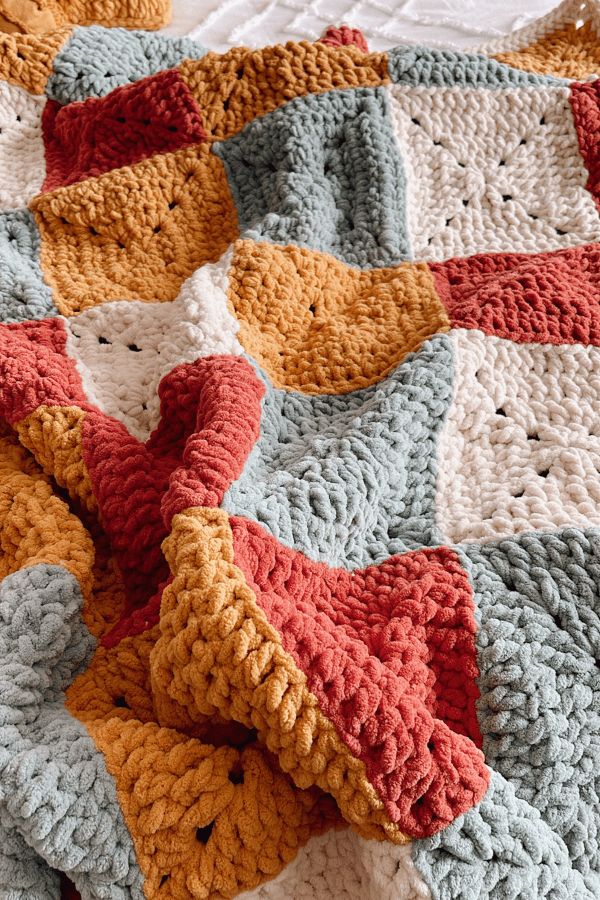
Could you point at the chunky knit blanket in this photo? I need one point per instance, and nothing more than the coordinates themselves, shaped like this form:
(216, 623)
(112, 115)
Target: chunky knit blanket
(299, 468)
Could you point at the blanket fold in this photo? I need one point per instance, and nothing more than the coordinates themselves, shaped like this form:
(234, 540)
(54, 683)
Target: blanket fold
(299, 455)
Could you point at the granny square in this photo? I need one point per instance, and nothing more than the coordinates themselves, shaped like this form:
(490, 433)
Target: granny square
(299, 463)
(492, 170)
(323, 172)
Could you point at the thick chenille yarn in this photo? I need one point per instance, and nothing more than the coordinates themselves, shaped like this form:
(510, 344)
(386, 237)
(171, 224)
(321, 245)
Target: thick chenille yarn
(299, 464)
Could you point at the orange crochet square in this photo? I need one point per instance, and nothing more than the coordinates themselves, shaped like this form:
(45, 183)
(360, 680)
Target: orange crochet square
(136, 232)
(26, 60)
(569, 52)
(39, 16)
(234, 88)
(175, 791)
(320, 326)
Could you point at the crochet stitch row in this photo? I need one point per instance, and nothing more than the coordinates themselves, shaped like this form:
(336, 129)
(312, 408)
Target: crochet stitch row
(298, 483)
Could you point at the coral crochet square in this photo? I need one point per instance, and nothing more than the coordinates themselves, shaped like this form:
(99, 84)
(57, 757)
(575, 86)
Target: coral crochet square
(156, 115)
(548, 298)
(389, 654)
(585, 101)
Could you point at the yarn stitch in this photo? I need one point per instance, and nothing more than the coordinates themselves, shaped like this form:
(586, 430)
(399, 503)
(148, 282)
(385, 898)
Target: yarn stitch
(299, 455)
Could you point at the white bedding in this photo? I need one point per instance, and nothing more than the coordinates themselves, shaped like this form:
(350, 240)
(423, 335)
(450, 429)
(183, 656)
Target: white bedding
(220, 24)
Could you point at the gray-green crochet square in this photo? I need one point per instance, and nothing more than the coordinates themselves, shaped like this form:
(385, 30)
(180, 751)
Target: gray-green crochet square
(537, 600)
(323, 172)
(23, 291)
(417, 66)
(534, 836)
(349, 479)
(56, 795)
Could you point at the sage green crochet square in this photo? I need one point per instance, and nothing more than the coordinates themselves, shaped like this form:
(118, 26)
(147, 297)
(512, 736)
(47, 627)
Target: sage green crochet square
(96, 60)
(324, 172)
(23, 292)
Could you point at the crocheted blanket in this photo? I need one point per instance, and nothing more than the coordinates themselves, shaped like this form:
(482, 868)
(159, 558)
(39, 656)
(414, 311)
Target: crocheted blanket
(299, 468)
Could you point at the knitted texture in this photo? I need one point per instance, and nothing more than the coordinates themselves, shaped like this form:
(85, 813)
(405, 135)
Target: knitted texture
(299, 454)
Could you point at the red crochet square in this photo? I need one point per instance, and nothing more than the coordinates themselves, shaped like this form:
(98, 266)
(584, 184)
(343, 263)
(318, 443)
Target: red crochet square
(155, 115)
(548, 298)
(389, 652)
(585, 103)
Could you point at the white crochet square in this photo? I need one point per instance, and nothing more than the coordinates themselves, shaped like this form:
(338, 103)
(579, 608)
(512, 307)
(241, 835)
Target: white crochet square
(124, 348)
(492, 170)
(520, 449)
(22, 160)
(344, 866)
